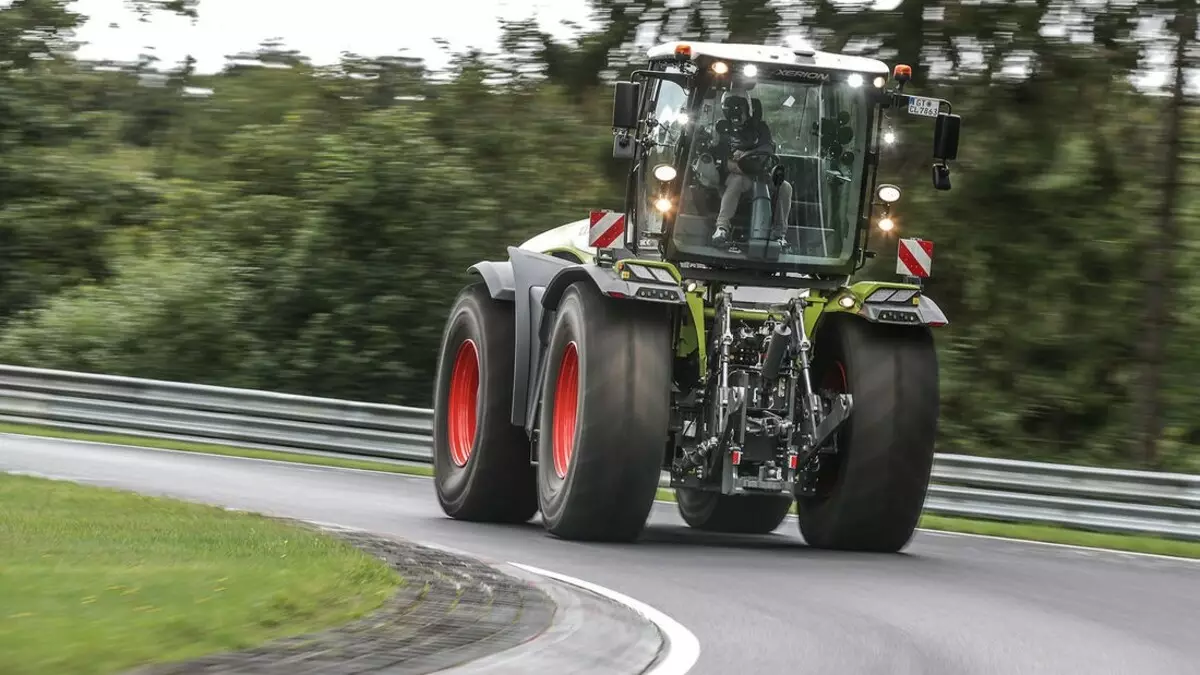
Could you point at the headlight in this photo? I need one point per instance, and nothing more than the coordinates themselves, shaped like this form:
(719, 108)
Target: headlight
(663, 204)
(720, 67)
(886, 224)
(888, 194)
(665, 172)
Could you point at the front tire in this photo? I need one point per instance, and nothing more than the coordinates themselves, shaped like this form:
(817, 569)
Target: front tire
(871, 493)
(604, 416)
(481, 467)
(738, 514)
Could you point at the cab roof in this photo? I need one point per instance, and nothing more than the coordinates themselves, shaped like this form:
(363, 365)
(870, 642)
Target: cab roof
(769, 55)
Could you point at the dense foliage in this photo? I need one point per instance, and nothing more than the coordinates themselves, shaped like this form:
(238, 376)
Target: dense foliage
(304, 228)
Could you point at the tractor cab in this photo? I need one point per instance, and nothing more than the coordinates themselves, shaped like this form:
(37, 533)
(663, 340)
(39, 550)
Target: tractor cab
(752, 157)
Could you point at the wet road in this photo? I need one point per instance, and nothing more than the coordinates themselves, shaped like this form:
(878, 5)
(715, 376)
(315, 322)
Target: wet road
(948, 604)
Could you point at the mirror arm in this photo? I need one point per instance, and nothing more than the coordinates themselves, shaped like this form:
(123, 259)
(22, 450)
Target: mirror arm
(682, 79)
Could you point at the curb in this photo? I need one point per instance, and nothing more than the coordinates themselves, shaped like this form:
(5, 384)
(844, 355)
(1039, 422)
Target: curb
(451, 610)
(454, 615)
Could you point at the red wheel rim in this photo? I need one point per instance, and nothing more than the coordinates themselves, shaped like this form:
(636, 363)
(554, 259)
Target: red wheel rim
(835, 379)
(566, 409)
(464, 395)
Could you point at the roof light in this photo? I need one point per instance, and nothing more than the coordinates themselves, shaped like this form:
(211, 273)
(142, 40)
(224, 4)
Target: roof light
(683, 50)
(902, 72)
(879, 82)
(855, 80)
(720, 67)
(750, 70)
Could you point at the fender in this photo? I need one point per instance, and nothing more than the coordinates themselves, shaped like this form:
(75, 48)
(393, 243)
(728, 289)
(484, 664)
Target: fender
(532, 273)
(498, 276)
(627, 279)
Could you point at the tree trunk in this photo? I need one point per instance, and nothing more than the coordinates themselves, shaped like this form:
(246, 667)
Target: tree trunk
(1161, 260)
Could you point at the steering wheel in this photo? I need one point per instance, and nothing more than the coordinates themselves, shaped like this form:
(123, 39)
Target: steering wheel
(766, 162)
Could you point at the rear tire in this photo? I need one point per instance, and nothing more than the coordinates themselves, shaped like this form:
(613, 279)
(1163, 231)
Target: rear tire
(871, 493)
(740, 514)
(604, 416)
(481, 467)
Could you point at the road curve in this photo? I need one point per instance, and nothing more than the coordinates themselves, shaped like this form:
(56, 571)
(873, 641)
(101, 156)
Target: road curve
(757, 604)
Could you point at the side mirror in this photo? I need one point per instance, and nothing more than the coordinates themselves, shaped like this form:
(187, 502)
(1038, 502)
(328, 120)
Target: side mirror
(945, 137)
(625, 105)
(941, 177)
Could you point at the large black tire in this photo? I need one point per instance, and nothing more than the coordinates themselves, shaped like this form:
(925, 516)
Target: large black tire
(607, 414)
(870, 495)
(740, 514)
(481, 467)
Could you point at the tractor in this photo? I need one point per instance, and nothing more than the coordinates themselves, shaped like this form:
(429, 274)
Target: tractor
(707, 337)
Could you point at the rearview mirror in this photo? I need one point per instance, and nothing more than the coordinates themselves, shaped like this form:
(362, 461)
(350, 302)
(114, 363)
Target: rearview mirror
(945, 137)
(625, 105)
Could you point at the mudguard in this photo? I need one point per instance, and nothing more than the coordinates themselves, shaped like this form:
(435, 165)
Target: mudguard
(498, 276)
(628, 278)
(532, 273)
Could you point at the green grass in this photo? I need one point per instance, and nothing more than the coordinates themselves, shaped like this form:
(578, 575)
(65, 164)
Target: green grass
(1044, 533)
(94, 580)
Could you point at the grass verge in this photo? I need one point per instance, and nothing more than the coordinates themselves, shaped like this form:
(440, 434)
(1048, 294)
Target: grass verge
(95, 580)
(1043, 533)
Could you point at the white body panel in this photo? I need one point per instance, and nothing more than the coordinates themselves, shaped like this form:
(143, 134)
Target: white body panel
(573, 235)
(783, 56)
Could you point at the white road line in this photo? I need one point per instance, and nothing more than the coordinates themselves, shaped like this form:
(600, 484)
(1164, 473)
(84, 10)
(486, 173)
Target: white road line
(683, 649)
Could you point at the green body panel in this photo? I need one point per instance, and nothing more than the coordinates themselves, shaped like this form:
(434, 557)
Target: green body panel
(825, 302)
(691, 330)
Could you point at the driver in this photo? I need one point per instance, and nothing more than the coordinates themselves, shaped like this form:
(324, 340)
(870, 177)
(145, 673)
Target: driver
(746, 135)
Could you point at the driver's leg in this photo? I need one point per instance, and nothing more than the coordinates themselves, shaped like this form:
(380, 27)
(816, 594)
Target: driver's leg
(783, 210)
(735, 185)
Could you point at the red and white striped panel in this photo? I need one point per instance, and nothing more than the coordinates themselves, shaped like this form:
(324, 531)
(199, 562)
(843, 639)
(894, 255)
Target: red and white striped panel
(606, 228)
(914, 257)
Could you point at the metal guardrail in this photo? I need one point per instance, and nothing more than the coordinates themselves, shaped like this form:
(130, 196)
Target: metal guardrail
(1108, 500)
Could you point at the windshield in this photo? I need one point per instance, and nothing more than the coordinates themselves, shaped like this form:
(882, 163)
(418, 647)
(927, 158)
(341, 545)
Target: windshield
(818, 135)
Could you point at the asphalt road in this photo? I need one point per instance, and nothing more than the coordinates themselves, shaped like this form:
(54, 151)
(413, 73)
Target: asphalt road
(948, 604)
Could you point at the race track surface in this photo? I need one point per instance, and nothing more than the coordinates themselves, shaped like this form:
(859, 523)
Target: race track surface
(948, 604)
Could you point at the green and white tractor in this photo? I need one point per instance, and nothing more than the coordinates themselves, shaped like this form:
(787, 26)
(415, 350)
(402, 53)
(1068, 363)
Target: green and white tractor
(708, 333)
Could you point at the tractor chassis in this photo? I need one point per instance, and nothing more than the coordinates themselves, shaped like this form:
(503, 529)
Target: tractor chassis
(788, 452)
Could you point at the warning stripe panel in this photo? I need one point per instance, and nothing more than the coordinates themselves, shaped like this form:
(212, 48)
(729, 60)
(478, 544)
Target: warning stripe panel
(606, 228)
(914, 257)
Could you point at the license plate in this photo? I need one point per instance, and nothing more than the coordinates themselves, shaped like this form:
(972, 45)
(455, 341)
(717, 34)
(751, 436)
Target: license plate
(925, 107)
(756, 484)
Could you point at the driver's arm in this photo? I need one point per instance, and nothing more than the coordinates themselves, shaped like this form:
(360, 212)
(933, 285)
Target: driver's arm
(766, 142)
